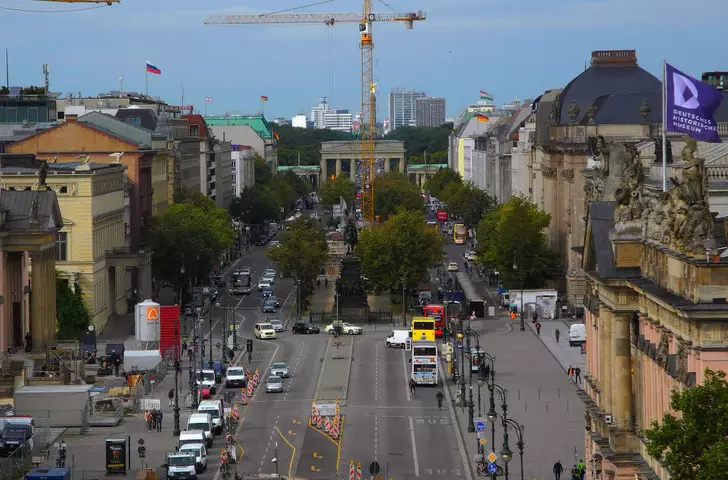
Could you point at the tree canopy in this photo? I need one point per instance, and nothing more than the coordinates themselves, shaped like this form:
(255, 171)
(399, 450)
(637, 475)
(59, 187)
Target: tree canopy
(71, 311)
(694, 446)
(263, 172)
(512, 238)
(341, 186)
(440, 180)
(402, 249)
(255, 205)
(417, 140)
(302, 251)
(393, 190)
(305, 142)
(467, 202)
(192, 236)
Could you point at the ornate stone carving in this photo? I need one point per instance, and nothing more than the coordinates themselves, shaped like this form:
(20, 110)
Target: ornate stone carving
(591, 297)
(594, 184)
(573, 112)
(73, 189)
(548, 172)
(663, 349)
(645, 109)
(628, 213)
(682, 361)
(567, 173)
(592, 112)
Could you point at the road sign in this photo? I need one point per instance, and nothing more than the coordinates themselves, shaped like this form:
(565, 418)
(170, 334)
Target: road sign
(492, 457)
(492, 468)
(480, 426)
(374, 468)
(326, 409)
(482, 441)
(408, 344)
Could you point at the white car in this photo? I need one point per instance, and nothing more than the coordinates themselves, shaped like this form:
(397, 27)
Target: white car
(452, 267)
(269, 272)
(264, 330)
(268, 278)
(349, 329)
(244, 271)
(263, 284)
(471, 255)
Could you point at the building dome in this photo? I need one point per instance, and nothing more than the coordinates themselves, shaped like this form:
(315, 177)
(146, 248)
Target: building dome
(613, 90)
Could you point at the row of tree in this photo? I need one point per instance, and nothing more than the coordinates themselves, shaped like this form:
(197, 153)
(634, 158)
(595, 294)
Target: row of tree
(271, 198)
(424, 144)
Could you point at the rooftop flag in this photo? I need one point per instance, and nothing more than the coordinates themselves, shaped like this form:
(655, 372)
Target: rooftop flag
(482, 118)
(208, 99)
(690, 105)
(275, 135)
(152, 69)
(263, 98)
(486, 96)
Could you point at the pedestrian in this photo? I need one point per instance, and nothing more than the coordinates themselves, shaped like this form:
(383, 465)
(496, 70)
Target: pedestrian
(534, 317)
(577, 375)
(184, 346)
(575, 475)
(538, 328)
(326, 283)
(28, 342)
(154, 419)
(557, 332)
(148, 419)
(318, 284)
(170, 395)
(160, 415)
(117, 364)
(570, 372)
(558, 469)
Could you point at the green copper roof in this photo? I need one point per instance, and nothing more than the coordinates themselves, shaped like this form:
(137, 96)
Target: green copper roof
(283, 168)
(428, 165)
(256, 122)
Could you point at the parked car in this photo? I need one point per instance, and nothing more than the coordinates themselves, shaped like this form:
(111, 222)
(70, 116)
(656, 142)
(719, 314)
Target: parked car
(235, 377)
(274, 384)
(277, 324)
(349, 329)
(280, 369)
(244, 271)
(471, 255)
(304, 327)
(452, 267)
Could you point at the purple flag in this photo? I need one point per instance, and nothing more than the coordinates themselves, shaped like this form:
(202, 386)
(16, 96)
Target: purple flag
(691, 105)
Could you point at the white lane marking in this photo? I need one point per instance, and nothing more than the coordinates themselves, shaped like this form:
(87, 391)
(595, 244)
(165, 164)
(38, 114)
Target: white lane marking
(414, 447)
(376, 437)
(292, 373)
(406, 380)
(376, 373)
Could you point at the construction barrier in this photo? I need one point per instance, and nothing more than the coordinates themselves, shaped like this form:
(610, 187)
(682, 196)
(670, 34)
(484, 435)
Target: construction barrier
(242, 396)
(352, 470)
(358, 471)
(236, 412)
(327, 425)
(250, 390)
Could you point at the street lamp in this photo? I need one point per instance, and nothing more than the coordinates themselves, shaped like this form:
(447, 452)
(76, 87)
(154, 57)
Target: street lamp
(515, 267)
(492, 415)
(470, 332)
(205, 293)
(176, 430)
(461, 347)
(223, 345)
(182, 276)
(506, 453)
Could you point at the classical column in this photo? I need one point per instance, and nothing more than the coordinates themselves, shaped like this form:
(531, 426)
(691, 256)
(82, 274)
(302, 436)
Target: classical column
(144, 276)
(338, 167)
(387, 164)
(605, 347)
(42, 299)
(621, 372)
(4, 322)
(352, 170)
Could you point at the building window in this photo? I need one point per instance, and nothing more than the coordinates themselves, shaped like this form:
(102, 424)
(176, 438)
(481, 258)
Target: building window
(194, 131)
(61, 246)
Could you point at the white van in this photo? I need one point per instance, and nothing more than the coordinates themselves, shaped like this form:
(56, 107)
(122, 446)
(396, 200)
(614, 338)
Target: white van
(191, 436)
(202, 421)
(398, 338)
(215, 409)
(200, 453)
(577, 334)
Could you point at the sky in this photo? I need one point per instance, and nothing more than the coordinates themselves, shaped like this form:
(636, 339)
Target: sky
(509, 48)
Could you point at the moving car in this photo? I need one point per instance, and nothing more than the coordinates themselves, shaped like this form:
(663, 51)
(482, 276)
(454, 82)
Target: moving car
(267, 292)
(398, 338)
(269, 278)
(304, 327)
(349, 329)
(244, 271)
(264, 330)
(235, 377)
(263, 284)
(268, 306)
(452, 267)
(275, 300)
(471, 255)
(269, 272)
(200, 453)
(280, 369)
(274, 384)
(577, 334)
(277, 324)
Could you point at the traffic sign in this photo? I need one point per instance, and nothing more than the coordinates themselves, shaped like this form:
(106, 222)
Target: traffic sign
(492, 457)
(374, 468)
(492, 468)
(482, 441)
(480, 426)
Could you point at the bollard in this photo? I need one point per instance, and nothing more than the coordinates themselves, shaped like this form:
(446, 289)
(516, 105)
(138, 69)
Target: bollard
(539, 394)
(519, 393)
(525, 407)
(558, 392)
(547, 407)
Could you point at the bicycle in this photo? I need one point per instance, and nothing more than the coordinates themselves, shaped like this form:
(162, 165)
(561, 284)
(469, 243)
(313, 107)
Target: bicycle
(439, 400)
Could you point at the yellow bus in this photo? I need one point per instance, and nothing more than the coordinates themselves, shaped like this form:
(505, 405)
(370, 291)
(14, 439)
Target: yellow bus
(423, 328)
(459, 234)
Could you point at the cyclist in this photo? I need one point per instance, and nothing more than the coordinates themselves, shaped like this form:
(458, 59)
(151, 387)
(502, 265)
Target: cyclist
(439, 397)
(61, 460)
(412, 386)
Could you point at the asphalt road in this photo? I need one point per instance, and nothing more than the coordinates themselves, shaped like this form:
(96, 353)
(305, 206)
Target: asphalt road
(408, 436)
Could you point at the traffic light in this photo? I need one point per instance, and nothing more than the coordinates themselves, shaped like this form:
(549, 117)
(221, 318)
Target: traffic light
(249, 344)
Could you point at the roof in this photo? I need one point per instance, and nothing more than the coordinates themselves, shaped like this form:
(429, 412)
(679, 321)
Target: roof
(133, 134)
(257, 122)
(600, 221)
(31, 211)
(143, 117)
(544, 107)
(283, 168)
(631, 82)
(624, 109)
(53, 389)
(519, 118)
(427, 165)
(12, 132)
(70, 168)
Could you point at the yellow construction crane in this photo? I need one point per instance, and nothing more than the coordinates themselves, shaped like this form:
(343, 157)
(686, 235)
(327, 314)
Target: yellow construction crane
(366, 20)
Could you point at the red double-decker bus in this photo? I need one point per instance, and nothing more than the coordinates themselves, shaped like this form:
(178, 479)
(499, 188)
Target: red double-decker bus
(438, 313)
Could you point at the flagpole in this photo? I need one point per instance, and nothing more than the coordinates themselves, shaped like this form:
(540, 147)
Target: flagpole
(664, 126)
(205, 107)
(146, 81)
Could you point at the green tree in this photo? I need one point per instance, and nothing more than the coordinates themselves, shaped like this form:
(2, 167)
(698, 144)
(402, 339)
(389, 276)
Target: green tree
(303, 145)
(284, 193)
(340, 187)
(299, 185)
(263, 172)
(255, 205)
(189, 236)
(393, 190)
(513, 239)
(694, 445)
(438, 181)
(469, 203)
(418, 140)
(402, 249)
(302, 251)
(73, 317)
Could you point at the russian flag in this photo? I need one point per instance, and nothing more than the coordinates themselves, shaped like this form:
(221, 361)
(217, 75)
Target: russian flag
(152, 69)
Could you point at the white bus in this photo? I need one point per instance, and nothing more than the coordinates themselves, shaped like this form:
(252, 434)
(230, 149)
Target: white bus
(424, 363)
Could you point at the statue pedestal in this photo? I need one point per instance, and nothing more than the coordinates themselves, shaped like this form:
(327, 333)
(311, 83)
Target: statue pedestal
(352, 299)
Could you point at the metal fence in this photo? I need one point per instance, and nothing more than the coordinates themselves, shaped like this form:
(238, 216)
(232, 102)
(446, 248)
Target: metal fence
(26, 456)
(371, 317)
(78, 474)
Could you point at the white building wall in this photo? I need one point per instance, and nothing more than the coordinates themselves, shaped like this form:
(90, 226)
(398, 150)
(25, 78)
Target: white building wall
(478, 168)
(520, 160)
(299, 121)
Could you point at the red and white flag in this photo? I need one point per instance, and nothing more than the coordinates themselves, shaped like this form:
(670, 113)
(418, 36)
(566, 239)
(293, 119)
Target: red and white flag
(208, 99)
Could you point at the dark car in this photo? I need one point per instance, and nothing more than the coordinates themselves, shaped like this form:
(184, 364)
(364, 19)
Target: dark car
(305, 328)
(268, 307)
(275, 300)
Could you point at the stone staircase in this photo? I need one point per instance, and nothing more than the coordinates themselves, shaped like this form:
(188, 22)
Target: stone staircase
(11, 369)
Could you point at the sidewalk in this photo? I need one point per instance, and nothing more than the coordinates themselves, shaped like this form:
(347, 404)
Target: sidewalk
(561, 351)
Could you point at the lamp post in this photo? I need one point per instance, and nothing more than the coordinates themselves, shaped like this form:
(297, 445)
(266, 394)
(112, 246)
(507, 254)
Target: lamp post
(492, 415)
(404, 302)
(470, 332)
(223, 342)
(515, 267)
(182, 276)
(193, 360)
(176, 430)
(508, 422)
(461, 347)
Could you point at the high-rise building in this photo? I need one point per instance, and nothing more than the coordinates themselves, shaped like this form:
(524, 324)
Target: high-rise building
(402, 107)
(429, 112)
(299, 121)
(323, 116)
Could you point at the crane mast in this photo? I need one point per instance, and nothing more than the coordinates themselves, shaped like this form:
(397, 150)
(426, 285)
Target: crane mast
(366, 20)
